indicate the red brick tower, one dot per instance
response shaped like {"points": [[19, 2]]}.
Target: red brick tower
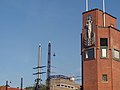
{"points": [[100, 51]]}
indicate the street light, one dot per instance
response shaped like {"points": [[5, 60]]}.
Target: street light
{"points": [[7, 85]]}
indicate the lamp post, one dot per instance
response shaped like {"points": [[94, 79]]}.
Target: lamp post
{"points": [[21, 84], [6, 85]]}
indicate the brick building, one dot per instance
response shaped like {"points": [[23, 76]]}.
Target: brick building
{"points": [[100, 49]]}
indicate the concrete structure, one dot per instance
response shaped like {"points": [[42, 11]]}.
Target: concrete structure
{"points": [[100, 51], [61, 82]]}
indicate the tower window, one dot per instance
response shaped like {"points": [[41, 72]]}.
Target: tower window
{"points": [[103, 42], [116, 54], [104, 47], [104, 52], [89, 54], [104, 78]]}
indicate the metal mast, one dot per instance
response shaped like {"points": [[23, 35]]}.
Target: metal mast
{"points": [[104, 13], [86, 5], [37, 87], [48, 67], [39, 51]]}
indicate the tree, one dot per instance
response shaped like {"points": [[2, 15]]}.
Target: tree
{"points": [[42, 87]]}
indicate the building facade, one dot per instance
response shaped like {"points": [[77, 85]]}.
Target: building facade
{"points": [[100, 49], [61, 82]]}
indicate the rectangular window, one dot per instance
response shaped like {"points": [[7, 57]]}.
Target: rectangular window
{"points": [[104, 47], [103, 42], [89, 54], [104, 78], [58, 85], [104, 52], [116, 54]]}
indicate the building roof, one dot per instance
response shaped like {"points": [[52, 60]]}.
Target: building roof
{"points": [[9, 88], [59, 76], [99, 10]]}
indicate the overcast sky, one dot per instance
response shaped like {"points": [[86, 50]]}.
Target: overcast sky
{"points": [[26, 23]]}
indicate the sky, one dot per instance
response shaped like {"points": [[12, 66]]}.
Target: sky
{"points": [[24, 24]]}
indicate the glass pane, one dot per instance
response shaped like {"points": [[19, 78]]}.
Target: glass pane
{"points": [[104, 77], [86, 54], [90, 53], [116, 54], [103, 42], [104, 52]]}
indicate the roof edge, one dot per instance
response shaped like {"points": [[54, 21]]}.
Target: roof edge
{"points": [[99, 10]]}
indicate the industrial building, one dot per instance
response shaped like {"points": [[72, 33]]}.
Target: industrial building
{"points": [[61, 82]]}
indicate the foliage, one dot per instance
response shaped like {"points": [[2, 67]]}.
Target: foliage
{"points": [[42, 87]]}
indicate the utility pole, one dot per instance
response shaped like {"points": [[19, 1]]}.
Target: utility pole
{"points": [[48, 67], [38, 80], [21, 84]]}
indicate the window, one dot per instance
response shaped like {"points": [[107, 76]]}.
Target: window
{"points": [[104, 78], [116, 54], [103, 42], [104, 52], [68, 86], [58, 85], [89, 54], [65, 85], [104, 47]]}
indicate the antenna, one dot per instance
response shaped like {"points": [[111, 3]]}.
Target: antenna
{"points": [[86, 5], [104, 13]]}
